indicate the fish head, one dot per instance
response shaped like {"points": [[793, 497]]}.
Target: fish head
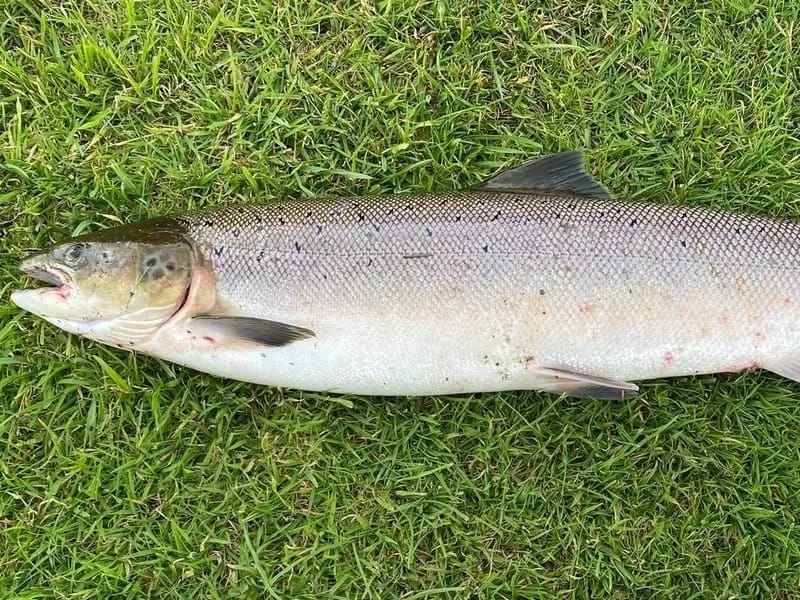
{"points": [[119, 285]]}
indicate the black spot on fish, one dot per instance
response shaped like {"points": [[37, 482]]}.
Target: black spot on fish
{"points": [[309, 214], [458, 218], [236, 233], [496, 216], [319, 229], [361, 216], [297, 246], [429, 232], [738, 231], [633, 222], [281, 220], [219, 251], [260, 256], [208, 223], [572, 205], [151, 262], [170, 267], [369, 262], [541, 292], [486, 248], [683, 243]]}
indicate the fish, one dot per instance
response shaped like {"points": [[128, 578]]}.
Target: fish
{"points": [[536, 279]]}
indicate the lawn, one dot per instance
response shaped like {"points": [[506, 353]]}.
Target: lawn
{"points": [[122, 476]]}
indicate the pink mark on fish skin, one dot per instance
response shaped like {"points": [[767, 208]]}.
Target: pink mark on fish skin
{"points": [[787, 300], [748, 367], [528, 361], [668, 358], [724, 321], [210, 340], [586, 308], [760, 336]]}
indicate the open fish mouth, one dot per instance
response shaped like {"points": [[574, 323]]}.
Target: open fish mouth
{"points": [[59, 279], [51, 299]]}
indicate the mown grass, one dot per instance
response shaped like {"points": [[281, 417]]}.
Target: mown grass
{"points": [[121, 476]]}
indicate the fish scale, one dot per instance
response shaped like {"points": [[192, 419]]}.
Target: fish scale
{"points": [[464, 231]]}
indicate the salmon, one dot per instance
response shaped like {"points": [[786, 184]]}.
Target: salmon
{"points": [[537, 279]]}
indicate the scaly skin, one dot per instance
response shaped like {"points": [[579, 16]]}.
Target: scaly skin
{"points": [[474, 291]]}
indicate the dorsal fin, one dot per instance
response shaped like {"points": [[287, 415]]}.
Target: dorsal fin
{"points": [[563, 172]]}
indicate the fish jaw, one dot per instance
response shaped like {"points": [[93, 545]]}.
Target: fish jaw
{"points": [[36, 301], [30, 300], [50, 301], [114, 332]]}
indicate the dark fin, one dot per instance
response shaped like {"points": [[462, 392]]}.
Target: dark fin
{"points": [[563, 172], [788, 366], [260, 331], [580, 385]]}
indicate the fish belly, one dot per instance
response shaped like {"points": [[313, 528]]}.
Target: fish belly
{"points": [[631, 333]]}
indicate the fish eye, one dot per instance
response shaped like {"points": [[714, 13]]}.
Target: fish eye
{"points": [[73, 254]]}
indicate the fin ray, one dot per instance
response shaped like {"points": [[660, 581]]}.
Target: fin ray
{"points": [[582, 385]]}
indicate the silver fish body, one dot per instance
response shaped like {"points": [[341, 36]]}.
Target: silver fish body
{"points": [[536, 280], [479, 291]]}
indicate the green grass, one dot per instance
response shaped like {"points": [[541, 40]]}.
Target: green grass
{"points": [[121, 476]]}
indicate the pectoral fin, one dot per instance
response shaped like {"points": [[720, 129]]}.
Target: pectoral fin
{"points": [[248, 329], [581, 385]]}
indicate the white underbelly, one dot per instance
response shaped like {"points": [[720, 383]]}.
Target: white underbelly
{"points": [[488, 352]]}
